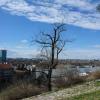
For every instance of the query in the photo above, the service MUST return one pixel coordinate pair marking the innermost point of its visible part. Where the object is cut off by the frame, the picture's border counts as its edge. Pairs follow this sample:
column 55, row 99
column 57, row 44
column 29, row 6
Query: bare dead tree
column 98, row 8
column 52, row 45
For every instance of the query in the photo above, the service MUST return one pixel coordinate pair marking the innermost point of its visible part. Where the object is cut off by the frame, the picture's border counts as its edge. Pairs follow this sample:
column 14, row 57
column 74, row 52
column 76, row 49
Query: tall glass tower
column 3, row 54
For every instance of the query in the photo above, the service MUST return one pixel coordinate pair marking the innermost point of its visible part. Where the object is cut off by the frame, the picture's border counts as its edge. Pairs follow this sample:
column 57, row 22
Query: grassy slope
column 88, row 90
column 86, row 96
column 95, row 95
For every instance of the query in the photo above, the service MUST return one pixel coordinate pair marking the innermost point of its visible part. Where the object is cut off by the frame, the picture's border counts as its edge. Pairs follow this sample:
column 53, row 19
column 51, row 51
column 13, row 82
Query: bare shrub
column 63, row 82
column 60, row 82
column 21, row 90
column 94, row 75
column 70, row 78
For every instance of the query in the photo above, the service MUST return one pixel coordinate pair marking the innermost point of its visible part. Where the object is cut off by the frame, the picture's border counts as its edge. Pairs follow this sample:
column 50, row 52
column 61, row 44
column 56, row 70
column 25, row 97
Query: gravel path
column 75, row 90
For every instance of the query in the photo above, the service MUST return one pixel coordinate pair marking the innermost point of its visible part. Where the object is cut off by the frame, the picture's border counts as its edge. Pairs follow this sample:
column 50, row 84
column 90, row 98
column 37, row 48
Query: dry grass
column 70, row 78
column 94, row 75
column 20, row 90
column 64, row 82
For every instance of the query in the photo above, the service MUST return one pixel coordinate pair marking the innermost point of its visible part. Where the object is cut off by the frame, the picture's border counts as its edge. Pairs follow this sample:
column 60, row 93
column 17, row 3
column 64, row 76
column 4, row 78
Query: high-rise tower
column 3, row 54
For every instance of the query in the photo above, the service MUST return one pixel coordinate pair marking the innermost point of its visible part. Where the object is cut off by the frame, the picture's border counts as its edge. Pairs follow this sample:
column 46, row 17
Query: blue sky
column 20, row 20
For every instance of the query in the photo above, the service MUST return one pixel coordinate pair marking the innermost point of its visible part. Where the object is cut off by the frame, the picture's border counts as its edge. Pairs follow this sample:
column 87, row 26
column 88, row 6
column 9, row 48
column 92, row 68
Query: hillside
column 78, row 92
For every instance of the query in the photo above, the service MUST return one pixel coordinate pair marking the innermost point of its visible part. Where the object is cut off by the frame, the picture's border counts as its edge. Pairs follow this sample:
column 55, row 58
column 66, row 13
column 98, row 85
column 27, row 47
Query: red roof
column 5, row 66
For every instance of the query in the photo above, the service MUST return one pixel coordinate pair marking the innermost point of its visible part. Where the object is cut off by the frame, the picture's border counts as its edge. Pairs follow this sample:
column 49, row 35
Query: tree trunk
column 50, row 69
column 49, row 79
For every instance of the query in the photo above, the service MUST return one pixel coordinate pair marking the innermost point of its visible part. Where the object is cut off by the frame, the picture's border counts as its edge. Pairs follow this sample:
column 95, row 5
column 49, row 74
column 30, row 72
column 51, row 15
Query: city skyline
column 20, row 20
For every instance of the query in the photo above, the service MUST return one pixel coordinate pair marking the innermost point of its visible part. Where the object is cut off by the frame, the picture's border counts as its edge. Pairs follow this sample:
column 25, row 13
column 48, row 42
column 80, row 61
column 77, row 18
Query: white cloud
column 82, row 54
column 24, row 41
column 22, row 53
column 96, row 46
column 82, row 4
column 80, row 13
column 30, row 52
column 68, row 54
column 23, row 44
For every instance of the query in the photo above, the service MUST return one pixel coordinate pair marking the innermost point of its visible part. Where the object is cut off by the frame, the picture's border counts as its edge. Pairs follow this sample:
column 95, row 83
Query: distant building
column 3, row 55
column 6, row 72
